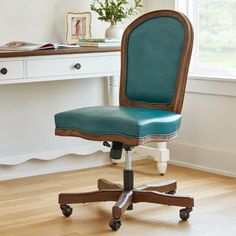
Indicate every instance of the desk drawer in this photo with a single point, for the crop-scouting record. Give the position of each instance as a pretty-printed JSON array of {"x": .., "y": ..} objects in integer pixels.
[
  {"x": 86, "y": 65},
  {"x": 11, "y": 70}
]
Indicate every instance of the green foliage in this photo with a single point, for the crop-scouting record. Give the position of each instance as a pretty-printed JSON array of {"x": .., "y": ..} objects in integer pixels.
[{"x": 115, "y": 11}]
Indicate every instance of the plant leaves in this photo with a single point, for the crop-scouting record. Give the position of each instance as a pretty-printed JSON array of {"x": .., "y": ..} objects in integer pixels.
[{"x": 115, "y": 11}]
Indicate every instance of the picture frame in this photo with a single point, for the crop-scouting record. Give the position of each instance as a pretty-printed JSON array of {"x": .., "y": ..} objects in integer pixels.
[{"x": 78, "y": 26}]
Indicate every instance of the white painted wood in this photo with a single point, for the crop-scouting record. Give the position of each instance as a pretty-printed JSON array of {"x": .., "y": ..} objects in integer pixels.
[
  {"x": 54, "y": 66},
  {"x": 65, "y": 163},
  {"x": 113, "y": 90},
  {"x": 83, "y": 149},
  {"x": 51, "y": 68},
  {"x": 159, "y": 153},
  {"x": 15, "y": 69},
  {"x": 19, "y": 122},
  {"x": 210, "y": 85}
]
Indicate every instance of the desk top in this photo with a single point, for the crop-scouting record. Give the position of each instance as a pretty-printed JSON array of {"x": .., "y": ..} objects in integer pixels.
[{"x": 59, "y": 51}]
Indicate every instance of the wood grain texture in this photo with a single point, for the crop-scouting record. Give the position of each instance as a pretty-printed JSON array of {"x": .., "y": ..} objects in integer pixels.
[
  {"x": 29, "y": 205},
  {"x": 115, "y": 137},
  {"x": 105, "y": 184},
  {"x": 166, "y": 186},
  {"x": 122, "y": 204},
  {"x": 59, "y": 51}
]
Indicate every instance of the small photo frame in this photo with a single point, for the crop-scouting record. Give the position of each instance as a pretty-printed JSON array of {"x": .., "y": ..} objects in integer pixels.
[{"x": 78, "y": 26}]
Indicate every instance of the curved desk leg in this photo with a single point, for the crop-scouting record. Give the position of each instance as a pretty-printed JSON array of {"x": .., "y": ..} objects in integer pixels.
[
  {"x": 163, "y": 158},
  {"x": 160, "y": 153}
]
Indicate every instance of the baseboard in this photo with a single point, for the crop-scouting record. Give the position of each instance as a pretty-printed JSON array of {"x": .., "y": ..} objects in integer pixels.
[
  {"x": 216, "y": 161},
  {"x": 196, "y": 157}
]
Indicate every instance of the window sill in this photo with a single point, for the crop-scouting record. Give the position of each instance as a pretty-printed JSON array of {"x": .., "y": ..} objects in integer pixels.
[
  {"x": 211, "y": 85},
  {"x": 212, "y": 78}
]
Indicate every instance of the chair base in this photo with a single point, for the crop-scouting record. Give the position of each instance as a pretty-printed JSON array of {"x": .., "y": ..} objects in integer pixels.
[{"x": 107, "y": 191}]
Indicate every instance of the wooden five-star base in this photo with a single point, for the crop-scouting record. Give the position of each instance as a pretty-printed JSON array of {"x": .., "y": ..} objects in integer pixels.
[{"x": 126, "y": 195}]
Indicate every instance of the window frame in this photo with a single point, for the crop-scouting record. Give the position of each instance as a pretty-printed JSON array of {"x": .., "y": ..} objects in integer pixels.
[{"x": 196, "y": 70}]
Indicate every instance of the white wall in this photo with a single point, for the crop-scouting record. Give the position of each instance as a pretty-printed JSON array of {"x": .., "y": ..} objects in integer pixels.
[
  {"x": 152, "y": 5},
  {"x": 207, "y": 136},
  {"x": 42, "y": 20}
]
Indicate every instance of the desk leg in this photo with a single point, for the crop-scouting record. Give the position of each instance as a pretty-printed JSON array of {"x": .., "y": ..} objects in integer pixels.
[
  {"x": 160, "y": 154},
  {"x": 163, "y": 158},
  {"x": 113, "y": 90}
]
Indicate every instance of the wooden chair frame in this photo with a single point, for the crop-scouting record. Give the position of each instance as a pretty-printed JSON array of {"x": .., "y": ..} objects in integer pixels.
[{"x": 126, "y": 195}]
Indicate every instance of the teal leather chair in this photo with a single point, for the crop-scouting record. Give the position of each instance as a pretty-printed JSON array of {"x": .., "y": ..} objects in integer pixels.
[{"x": 155, "y": 55}]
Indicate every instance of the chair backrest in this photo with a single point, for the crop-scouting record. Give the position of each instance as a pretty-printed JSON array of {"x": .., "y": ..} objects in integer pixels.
[{"x": 155, "y": 55}]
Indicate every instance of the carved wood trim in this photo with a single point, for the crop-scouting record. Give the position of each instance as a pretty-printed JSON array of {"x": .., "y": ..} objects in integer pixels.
[{"x": 115, "y": 137}]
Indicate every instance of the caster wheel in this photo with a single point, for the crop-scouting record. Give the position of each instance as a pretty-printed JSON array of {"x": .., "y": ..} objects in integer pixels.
[
  {"x": 172, "y": 192},
  {"x": 66, "y": 210},
  {"x": 185, "y": 213},
  {"x": 115, "y": 224}
]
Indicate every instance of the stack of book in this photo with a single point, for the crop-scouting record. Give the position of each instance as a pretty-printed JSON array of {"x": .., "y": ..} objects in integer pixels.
[
  {"x": 100, "y": 42},
  {"x": 30, "y": 46}
]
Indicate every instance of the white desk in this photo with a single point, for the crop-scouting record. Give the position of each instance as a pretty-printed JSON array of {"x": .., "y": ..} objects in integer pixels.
[
  {"x": 49, "y": 65},
  {"x": 68, "y": 64}
]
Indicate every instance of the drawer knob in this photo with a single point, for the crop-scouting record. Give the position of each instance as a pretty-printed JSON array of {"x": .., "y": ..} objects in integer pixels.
[
  {"x": 77, "y": 66},
  {"x": 3, "y": 70}
]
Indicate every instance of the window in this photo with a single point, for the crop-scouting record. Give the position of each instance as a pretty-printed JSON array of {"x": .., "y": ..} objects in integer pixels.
[{"x": 214, "y": 23}]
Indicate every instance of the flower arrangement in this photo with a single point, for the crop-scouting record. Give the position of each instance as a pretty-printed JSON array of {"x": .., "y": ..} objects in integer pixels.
[{"x": 114, "y": 11}]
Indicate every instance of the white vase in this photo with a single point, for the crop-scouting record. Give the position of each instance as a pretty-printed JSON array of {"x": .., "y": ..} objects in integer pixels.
[{"x": 114, "y": 31}]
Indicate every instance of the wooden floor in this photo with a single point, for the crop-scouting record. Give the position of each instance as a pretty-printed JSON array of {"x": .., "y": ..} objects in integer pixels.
[{"x": 28, "y": 206}]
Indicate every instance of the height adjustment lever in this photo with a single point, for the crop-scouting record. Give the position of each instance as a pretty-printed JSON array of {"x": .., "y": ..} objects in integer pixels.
[
  {"x": 116, "y": 150},
  {"x": 106, "y": 144}
]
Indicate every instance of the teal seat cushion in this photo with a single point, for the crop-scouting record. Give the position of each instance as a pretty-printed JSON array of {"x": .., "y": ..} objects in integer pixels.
[{"x": 136, "y": 122}]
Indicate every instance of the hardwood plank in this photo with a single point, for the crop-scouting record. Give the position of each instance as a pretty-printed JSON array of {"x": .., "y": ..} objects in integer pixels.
[{"x": 29, "y": 205}]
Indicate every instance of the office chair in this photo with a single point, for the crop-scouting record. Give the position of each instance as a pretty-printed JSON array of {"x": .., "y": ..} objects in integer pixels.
[{"x": 155, "y": 55}]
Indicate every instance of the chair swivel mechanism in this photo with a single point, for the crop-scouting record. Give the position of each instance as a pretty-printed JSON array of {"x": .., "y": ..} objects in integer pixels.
[{"x": 155, "y": 55}]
